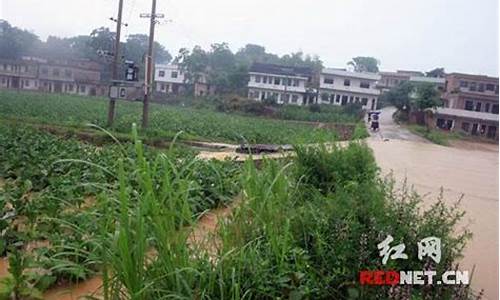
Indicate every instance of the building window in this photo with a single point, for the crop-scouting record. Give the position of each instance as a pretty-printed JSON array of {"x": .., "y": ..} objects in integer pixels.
[
  {"x": 83, "y": 88},
  {"x": 161, "y": 74},
  {"x": 276, "y": 81},
  {"x": 337, "y": 98},
  {"x": 469, "y": 105},
  {"x": 289, "y": 83},
  {"x": 344, "y": 99},
  {"x": 472, "y": 87},
  {"x": 347, "y": 82},
  {"x": 464, "y": 84},
  {"x": 328, "y": 80},
  {"x": 487, "y": 107},
  {"x": 364, "y": 101},
  {"x": 162, "y": 85},
  {"x": 67, "y": 73},
  {"x": 478, "y": 106},
  {"x": 257, "y": 78},
  {"x": 287, "y": 98},
  {"x": 70, "y": 87},
  {"x": 44, "y": 71},
  {"x": 264, "y": 80},
  {"x": 364, "y": 85},
  {"x": 490, "y": 87},
  {"x": 465, "y": 126},
  {"x": 494, "y": 109},
  {"x": 356, "y": 100},
  {"x": 295, "y": 98},
  {"x": 295, "y": 82},
  {"x": 26, "y": 83},
  {"x": 324, "y": 97},
  {"x": 174, "y": 74},
  {"x": 480, "y": 87},
  {"x": 55, "y": 72}
]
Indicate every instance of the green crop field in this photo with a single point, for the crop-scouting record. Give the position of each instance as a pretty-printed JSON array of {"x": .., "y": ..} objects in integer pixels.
[{"x": 165, "y": 121}]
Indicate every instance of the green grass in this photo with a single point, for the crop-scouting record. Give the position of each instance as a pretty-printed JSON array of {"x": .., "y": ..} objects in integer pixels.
[
  {"x": 165, "y": 121},
  {"x": 434, "y": 135}
]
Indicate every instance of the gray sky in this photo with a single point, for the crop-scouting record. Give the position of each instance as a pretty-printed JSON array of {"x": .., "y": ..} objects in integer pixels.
[{"x": 460, "y": 35}]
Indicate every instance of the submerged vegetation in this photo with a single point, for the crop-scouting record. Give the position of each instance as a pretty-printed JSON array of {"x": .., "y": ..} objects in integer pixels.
[{"x": 302, "y": 228}]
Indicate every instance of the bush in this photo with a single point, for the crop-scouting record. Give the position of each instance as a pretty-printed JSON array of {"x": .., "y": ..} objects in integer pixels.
[{"x": 315, "y": 108}]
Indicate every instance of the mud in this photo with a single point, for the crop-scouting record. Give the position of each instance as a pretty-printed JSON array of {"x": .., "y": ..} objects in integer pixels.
[{"x": 470, "y": 171}]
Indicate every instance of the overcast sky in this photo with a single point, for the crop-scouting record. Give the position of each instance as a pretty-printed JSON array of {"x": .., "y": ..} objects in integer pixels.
[{"x": 460, "y": 35}]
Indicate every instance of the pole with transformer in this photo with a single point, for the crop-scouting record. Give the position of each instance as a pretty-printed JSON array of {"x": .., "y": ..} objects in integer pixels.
[
  {"x": 149, "y": 63},
  {"x": 114, "y": 70}
]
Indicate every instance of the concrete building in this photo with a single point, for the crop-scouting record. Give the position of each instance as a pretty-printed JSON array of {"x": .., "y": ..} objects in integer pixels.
[
  {"x": 388, "y": 80},
  {"x": 169, "y": 79},
  {"x": 340, "y": 87},
  {"x": 82, "y": 77},
  {"x": 285, "y": 85},
  {"x": 470, "y": 105}
]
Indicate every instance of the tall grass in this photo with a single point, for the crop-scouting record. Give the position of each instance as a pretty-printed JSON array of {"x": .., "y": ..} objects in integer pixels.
[{"x": 303, "y": 230}]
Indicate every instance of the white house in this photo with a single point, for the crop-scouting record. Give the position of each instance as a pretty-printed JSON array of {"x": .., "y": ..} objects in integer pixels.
[
  {"x": 169, "y": 79},
  {"x": 339, "y": 87},
  {"x": 285, "y": 85}
]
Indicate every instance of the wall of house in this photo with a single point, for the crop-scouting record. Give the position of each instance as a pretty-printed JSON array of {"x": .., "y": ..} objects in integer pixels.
[
  {"x": 169, "y": 73},
  {"x": 278, "y": 83},
  {"x": 473, "y": 127},
  {"x": 280, "y": 96}
]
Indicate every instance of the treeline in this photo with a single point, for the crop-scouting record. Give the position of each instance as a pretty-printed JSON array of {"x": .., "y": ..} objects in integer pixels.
[
  {"x": 228, "y": 70},
  {"x": 221, "y": 66},
  {"x": 97, "y": 46}
]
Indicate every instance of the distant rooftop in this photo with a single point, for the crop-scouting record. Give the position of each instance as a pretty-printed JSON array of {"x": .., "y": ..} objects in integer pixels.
[
  {"x": 473, "y": 76},
  {"x": 434, "y": 80},
  {"x": 344, "y": 73},
  {"x": 280, "y": 70},
  {"x": 467, "y": 114}
]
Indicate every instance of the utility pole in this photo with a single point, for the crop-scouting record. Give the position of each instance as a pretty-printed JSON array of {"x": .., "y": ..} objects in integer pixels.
[
  {"x": 149, "y": 63},
  {"x": 114, "y": 70}
]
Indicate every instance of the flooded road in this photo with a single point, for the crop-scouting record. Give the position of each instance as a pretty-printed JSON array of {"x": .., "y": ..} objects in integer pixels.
[{"x": 472, "y": 171}]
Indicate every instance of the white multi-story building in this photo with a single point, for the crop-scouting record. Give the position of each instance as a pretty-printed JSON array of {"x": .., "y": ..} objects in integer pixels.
[
  {"x": 285, "y": 85},
  {"x": 339, "y": 87},
  {"x": 169, "y": 79}
]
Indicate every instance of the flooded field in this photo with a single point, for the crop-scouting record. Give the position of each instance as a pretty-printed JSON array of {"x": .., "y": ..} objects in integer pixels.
[{"x": 472, "y": 171}]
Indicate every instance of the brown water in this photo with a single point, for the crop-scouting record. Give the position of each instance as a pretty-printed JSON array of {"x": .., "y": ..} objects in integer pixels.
[{"x": 472, "y": 171}]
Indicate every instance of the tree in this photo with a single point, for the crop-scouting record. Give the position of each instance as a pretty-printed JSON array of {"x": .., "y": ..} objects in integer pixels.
[
  {"x": 410, "y": 96},
  {"x": 399, "y": 96},
  {"x": 437, "y": 72},
  {"x": 15, "y": 42},
  {"x": 364, "y": 64},
  {"x": 425, "y": 95}
]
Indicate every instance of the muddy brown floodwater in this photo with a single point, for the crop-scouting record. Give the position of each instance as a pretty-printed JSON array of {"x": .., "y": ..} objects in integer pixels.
[{"x": 470, "y": 171}]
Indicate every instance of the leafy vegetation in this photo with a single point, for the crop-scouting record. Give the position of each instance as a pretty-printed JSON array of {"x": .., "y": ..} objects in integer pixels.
[
  {"x": 165, "y": 121},
  {"x": 52, "y": 195},
  {"x": 408, "y": 97},
  {"x": 436, "y": 136},
  {"x": 303, "y": 230}
]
